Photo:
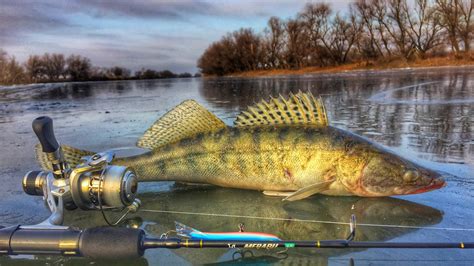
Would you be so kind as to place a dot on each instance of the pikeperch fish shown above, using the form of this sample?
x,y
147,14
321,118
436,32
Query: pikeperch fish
x,y
283,147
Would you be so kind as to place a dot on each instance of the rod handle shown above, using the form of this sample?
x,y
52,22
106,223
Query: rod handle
x,y
43,128
103,243
112,243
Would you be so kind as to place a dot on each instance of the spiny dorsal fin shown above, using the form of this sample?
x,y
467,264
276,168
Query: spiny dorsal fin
x,y
71,155
184,121
298,109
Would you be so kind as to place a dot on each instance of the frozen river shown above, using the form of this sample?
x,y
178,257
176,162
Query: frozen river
x,y
426,116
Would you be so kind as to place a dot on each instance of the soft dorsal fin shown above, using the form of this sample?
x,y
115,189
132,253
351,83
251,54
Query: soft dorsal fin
x,y
298,109
184,121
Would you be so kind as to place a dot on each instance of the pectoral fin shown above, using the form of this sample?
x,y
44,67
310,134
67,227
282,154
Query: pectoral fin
x,y
309,190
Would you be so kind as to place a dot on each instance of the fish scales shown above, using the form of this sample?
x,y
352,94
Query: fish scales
x,y
267,159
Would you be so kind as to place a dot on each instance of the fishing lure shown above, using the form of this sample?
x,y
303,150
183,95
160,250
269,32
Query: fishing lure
x,y
194,234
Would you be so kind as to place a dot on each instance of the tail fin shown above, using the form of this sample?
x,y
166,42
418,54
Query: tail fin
x,y
184,230
71,155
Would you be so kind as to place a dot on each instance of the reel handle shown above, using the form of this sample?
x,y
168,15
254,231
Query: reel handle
x,y
43,128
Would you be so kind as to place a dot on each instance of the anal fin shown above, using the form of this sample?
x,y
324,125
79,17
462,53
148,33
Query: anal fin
x,y
277,193
309,190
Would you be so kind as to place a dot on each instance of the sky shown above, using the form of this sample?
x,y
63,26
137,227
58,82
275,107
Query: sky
x,y
134,34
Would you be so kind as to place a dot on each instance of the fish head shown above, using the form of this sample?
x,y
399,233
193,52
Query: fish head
x,y
387,174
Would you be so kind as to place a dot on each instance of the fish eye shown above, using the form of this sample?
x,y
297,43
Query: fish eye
x,y
410,175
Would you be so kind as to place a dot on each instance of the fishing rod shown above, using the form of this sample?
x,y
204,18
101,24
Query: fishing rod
x,y
95,184
121,243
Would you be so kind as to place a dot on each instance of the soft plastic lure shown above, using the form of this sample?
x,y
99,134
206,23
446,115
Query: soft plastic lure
x,y
193,234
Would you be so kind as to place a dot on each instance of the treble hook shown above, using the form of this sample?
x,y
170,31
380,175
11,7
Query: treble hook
x,y
282,253
242,253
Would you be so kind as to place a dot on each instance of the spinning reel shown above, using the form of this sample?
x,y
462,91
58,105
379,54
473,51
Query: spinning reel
x,y
94,184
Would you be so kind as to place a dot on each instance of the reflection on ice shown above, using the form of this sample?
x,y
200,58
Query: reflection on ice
x,y
423,93
218,209
429,113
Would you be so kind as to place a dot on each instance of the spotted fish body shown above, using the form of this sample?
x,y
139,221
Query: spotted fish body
x,y
284,147
268,158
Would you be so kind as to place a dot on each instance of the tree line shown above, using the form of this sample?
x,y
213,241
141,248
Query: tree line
x,y
372,31
57,67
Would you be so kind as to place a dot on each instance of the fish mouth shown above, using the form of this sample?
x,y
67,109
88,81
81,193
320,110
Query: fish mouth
x,y
436,183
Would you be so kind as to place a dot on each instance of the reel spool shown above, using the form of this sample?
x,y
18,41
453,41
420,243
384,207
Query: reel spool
x,y
115,185
92,185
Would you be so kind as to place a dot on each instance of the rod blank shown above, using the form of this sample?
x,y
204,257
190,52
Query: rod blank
x,y
183,243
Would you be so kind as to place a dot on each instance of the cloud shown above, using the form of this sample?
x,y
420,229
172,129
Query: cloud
x,y
183,9
148,9
134,34
16,19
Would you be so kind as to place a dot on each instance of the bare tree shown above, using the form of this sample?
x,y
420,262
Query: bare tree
x,y
54,66
78,67
296,44
35,68
248,52
273,43
465,26
341,37
380,13
17,73
315,22
219,57
117,72
3,66
450,13
11,71
392,16
369,45
373,30
424,26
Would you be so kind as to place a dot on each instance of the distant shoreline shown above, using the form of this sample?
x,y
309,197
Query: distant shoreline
x,y
60,82
430,63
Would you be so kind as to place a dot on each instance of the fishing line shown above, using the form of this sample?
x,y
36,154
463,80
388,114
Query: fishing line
x,y
306,220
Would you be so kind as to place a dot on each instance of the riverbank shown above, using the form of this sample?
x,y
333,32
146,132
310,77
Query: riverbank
x,y
449,61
